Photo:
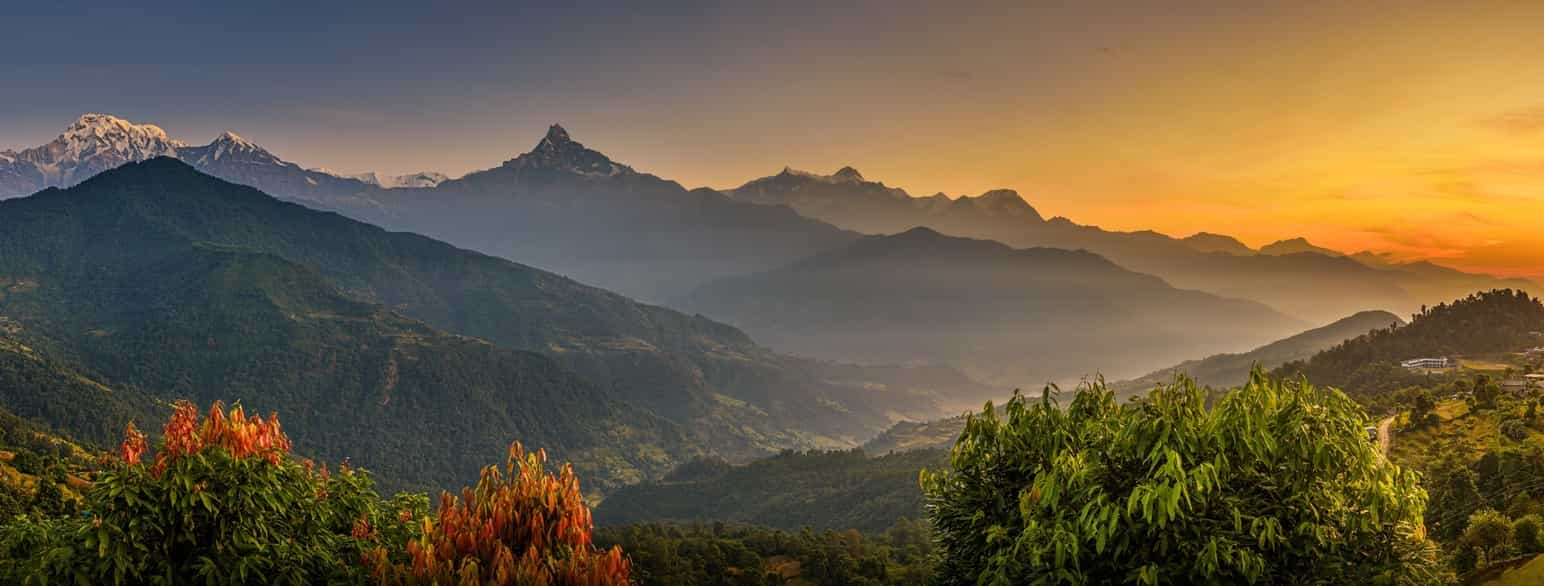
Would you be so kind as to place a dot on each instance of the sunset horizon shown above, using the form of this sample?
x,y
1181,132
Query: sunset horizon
x,y
772,292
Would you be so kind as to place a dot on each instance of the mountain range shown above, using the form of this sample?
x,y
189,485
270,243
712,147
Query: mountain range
x,y
1294,276
157,278
574,211
549,207
1011,316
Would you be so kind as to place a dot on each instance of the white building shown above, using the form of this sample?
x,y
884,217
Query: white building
x,y
1427,363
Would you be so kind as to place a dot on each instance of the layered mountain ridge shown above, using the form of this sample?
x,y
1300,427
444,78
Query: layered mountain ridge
x,y
1013,316
1307,281
184,285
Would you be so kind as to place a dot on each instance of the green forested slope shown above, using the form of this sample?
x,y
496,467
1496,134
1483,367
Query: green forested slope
x,y
745,399
824,490
1484,323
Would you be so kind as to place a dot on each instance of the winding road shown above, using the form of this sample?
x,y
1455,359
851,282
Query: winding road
x,y
1385,435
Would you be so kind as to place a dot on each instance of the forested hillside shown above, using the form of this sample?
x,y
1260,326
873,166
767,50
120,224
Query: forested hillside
x,y
1492,322
824,490
227,324
166,280
1224,371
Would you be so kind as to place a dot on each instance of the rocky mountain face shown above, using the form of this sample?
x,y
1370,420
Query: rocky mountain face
x,y
91,145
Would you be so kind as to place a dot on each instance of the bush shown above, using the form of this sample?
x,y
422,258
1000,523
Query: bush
x,y
1274,483
1514,429
1490,533
221,502
521,527
1525,533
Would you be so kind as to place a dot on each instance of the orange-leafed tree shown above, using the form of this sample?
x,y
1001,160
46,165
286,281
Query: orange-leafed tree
x,y
220,501
523,525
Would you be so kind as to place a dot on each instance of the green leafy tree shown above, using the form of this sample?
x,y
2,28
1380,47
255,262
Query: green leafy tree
x,y
1489,532
1525,531
1273,483
1420,403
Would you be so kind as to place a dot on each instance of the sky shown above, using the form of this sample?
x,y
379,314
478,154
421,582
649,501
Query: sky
x,y
1415,128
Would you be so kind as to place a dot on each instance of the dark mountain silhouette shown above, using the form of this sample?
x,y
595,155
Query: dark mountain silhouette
x,y
1021,316
1293,276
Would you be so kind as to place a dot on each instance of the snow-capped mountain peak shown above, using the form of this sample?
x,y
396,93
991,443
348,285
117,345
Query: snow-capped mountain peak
x,y
115,132
92,144
419,179
227,145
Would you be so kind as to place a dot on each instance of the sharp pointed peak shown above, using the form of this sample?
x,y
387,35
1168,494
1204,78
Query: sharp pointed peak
x,y
557,134
558,151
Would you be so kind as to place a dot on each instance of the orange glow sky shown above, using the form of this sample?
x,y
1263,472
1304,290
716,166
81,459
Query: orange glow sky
x,y
1410,127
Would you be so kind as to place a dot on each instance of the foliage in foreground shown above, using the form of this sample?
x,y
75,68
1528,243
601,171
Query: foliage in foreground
x,y
524,526
724,554
1275,483
222,501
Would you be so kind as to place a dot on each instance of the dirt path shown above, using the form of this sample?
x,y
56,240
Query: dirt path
x,y
1385,435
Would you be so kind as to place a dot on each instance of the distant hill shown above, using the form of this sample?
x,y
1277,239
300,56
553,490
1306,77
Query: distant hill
x,y
822,490
1312,283
286,307
1229,370
1019,317
1208,242
1483,323
1296,246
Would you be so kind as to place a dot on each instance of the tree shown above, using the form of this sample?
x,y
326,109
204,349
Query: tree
x,y
1454,493
522,526
1525,531
1490,533
222,502
1274,482
1420,403
1486,392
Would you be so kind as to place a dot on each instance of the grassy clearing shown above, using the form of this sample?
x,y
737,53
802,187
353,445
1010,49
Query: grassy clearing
x,y
1529,574
1468,432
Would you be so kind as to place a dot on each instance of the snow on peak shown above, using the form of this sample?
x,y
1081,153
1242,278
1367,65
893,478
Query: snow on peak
x,y
92,144
232,138
419,179
229,145
104,127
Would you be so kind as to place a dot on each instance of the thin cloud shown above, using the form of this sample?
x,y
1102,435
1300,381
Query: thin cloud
x,y
1523,121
